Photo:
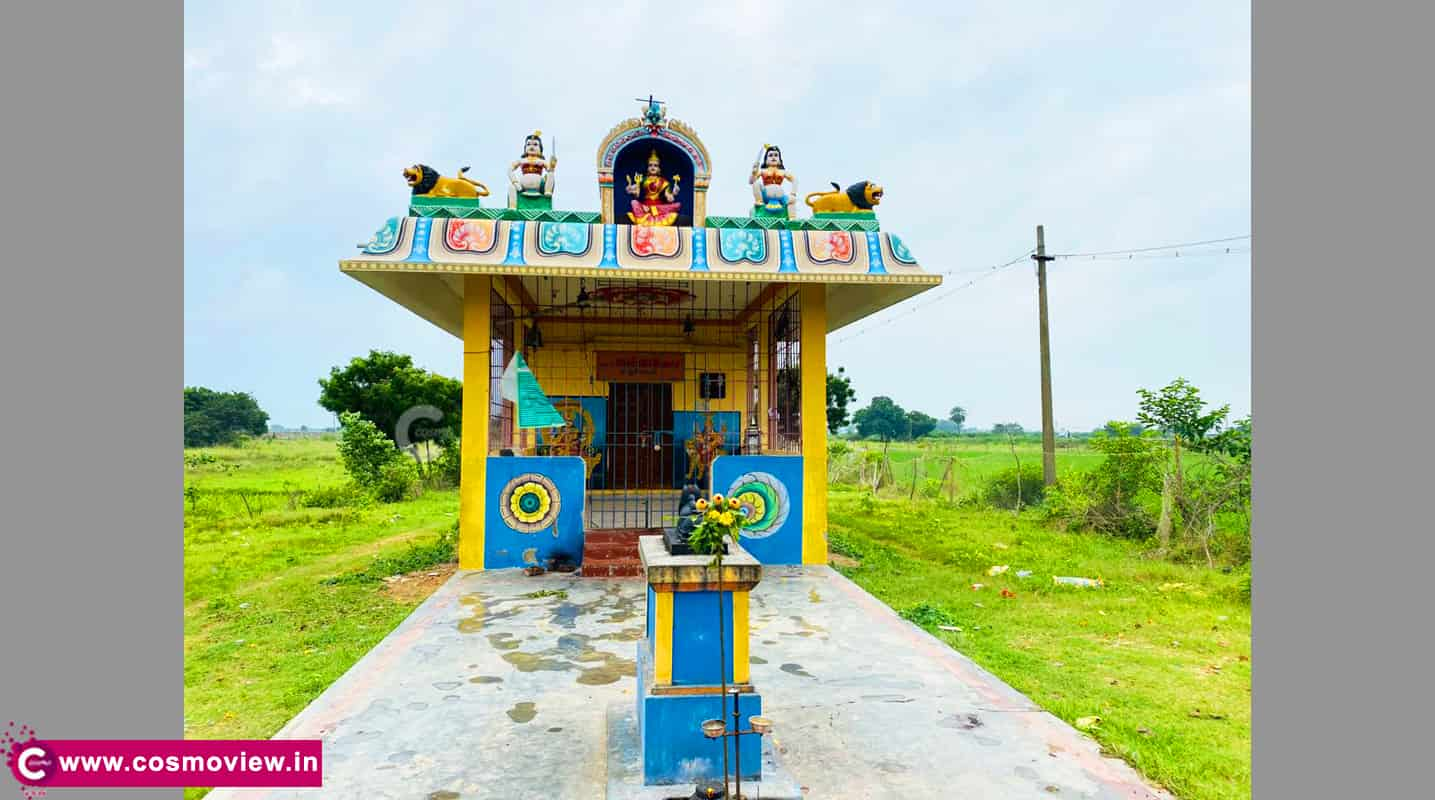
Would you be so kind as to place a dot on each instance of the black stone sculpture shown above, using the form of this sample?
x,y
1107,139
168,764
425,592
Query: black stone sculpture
x,y
675,539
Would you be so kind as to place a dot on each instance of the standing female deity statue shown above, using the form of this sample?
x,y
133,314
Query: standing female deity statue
x,y
531,175
768,173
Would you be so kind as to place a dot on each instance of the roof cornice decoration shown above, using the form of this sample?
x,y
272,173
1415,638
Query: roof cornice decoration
x,y
673,130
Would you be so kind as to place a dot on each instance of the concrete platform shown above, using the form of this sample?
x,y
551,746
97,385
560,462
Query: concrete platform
x,y
486,693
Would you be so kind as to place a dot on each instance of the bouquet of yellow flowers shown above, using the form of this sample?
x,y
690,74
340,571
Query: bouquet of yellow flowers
x,y
719,518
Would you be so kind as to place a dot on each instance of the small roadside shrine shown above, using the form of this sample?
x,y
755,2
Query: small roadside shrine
x,y
675,346
612,358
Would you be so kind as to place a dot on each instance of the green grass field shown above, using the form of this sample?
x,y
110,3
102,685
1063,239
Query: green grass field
x,y
282,598
264,633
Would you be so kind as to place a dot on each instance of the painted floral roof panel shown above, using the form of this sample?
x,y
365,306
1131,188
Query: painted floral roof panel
x,y
498,246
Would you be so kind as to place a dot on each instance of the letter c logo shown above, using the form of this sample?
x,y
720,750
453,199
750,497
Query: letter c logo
x,y
22,763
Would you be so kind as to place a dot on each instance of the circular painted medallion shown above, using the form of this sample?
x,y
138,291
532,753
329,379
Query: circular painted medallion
x,y
764,499
529,503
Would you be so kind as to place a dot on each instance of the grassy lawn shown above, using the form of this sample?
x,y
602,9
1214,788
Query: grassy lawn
x,y
1161,653
281,599
284,591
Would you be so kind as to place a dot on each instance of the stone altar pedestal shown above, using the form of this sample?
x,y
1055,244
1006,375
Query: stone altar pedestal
x,y
679,683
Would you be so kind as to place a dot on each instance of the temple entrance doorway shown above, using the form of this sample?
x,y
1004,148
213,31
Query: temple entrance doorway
x,y
638,488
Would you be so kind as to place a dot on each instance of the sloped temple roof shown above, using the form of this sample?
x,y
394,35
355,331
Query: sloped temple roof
x,y
419,261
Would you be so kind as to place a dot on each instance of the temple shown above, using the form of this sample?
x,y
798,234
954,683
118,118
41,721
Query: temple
x,y
612,357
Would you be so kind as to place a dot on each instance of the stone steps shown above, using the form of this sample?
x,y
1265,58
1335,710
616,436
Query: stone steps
x,y
613,553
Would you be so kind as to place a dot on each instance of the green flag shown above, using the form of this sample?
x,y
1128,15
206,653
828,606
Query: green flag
x,y
519,386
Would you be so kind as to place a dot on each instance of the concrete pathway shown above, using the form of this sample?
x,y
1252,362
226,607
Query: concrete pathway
x,y
486,692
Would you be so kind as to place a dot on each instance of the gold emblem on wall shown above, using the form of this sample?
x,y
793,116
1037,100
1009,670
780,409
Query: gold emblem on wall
x,y
574,439
704,446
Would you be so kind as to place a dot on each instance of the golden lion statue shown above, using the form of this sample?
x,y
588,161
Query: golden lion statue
x,y
426,182
861,196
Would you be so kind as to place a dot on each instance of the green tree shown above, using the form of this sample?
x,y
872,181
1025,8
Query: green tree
x,y
957,415
382,386
919,424
1008,428
882,419
839,394
1178,410
212,417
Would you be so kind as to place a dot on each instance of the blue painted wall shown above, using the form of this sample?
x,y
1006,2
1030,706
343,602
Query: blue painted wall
x,y
503,546
781,541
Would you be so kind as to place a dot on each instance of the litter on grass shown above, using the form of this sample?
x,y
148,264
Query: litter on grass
x,y
1066,580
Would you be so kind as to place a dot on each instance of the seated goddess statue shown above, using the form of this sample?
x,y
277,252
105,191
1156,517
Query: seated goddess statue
x,y
655,200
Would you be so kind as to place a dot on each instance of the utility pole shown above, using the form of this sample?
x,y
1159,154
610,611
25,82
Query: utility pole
x,y
1048,427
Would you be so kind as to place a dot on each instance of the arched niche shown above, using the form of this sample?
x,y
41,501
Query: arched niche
x,y
624,151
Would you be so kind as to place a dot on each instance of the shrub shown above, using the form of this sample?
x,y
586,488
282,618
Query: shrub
x,y
928,616
345,494
1121,494
448,465
373,462
1011,486
931,488
396,481
836,448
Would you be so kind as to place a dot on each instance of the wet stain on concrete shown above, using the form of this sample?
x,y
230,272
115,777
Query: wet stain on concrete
x,y
533,662
444,795
624,635
891,766
963,722
566,615
554,730
449,698
402,756
987,741
1051,788
769,641
576,651
445,686
523,712
482,611
503,641
808,627
757,659
417,705
485,679
796,669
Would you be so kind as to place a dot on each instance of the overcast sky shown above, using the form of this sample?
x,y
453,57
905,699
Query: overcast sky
x,y
1116,125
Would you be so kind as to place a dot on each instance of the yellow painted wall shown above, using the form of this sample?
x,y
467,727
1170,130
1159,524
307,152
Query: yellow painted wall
x,y
474,436
814,424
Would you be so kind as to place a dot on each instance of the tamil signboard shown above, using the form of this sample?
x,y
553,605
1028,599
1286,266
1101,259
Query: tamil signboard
x,y
639,366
